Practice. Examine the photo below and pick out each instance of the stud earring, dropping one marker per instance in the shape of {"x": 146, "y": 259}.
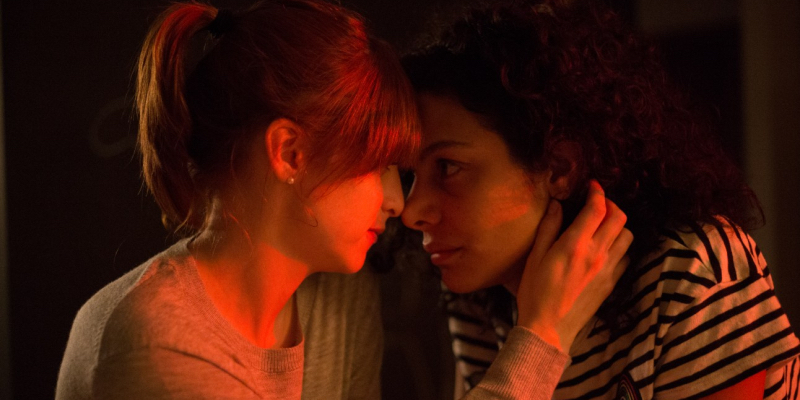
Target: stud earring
{"x": 290, "y": 180}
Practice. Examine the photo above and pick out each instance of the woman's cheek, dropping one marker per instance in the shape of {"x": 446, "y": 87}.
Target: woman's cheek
{"x": 457, "y": 186}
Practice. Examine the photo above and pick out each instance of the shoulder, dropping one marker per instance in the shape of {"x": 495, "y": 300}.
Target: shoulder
{"x": 97, "y": 325}
{"x": 717, "y": 311}
{"x": 707, "y": 255}
{"x": 94, "y": 314}
{"x": 83, "y": 347}
{"x": 140, "y": 308}
{"x": 153, "y": 313}
{"x": 98, "y": 313}
{"x": 696, "y": 262}
{"x": 727, "y": 252}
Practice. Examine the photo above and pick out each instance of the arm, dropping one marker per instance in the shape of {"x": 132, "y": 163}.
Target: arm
{"x": 527, "y": 367}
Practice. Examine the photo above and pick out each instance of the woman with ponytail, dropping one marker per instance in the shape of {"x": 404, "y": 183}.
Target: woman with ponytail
{"x": 270, "y": 139}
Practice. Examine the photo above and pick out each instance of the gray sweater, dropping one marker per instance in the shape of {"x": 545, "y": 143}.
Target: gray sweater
{"x": 155, "y": 334}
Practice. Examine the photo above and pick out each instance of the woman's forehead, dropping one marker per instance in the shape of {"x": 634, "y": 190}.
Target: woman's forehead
{"x": 446, "y": 124}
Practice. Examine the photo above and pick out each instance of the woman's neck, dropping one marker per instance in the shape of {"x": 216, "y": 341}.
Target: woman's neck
{"x": 251, "y": 284}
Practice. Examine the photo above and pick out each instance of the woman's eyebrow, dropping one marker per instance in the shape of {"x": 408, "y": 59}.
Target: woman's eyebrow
{"x": 442, "y": 144}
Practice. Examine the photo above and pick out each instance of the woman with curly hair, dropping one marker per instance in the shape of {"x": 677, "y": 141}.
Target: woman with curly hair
{"x": 531, "y": 102}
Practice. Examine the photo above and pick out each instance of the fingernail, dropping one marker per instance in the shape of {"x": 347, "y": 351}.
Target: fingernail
{"x": 595, "y": 186}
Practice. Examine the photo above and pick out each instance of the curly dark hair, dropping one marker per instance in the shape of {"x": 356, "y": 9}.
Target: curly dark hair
{"x": 547, "y": 73}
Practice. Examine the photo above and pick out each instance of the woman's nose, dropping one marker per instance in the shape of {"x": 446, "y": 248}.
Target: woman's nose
{"x": 392, "y": 192}
{"x": 420, "y": 210}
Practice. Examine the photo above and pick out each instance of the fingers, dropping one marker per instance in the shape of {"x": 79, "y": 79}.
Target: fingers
{"x": 620, "y": 245}
{"x": 615, "y": 274}
{"x": 592, "y": 213}
{"x": 600, "y": 219}
{"x": 619, "y": 269}
{"x": 616, "y": 261}
{"x": 547, "y": 232}
{"x": 612, "y": 225}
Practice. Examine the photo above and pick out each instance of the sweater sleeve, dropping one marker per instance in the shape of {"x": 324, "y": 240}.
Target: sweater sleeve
{"x": 526, "y": 367}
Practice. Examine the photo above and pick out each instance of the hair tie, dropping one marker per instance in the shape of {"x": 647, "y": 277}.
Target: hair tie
{"x": 221, "y": 24}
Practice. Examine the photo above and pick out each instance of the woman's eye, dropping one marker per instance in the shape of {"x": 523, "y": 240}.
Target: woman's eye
{"x": 447, "y": 168}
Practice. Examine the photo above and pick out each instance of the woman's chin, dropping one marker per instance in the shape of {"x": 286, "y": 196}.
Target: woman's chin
{"x": 352, "y": 266}
{"x": 457, "y": 281}
{"x": 348, "y": 264}
{"x": 457, "y": 284}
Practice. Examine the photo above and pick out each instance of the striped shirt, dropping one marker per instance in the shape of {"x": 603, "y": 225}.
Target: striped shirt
{"x": 706, "y": 318}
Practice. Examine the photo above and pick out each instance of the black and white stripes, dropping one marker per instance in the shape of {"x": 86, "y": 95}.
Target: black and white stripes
{"x": 706, "y": 318}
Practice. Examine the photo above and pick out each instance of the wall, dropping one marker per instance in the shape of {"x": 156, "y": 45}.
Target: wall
{"x": 5, "y": 360}
{"x": 771, "y": 95}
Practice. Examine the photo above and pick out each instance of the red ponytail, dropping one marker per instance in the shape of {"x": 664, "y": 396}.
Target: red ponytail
{"x": 164, "y": 118}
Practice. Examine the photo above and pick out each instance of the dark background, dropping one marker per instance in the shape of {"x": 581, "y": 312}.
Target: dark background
{"x": 78, "y": 217}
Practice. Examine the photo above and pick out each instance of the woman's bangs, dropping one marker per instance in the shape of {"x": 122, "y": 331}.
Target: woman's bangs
{"x": 395, "y": 131}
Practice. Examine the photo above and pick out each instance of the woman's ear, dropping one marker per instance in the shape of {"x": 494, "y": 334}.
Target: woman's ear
{"x": 284, "y": 141}
{"x": 559, "y": 186}
{"x": 563, "y": 169}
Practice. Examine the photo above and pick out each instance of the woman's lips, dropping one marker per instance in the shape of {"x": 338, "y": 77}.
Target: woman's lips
{"x": 441, "y": 256}
{"x": 374, "y": 233}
